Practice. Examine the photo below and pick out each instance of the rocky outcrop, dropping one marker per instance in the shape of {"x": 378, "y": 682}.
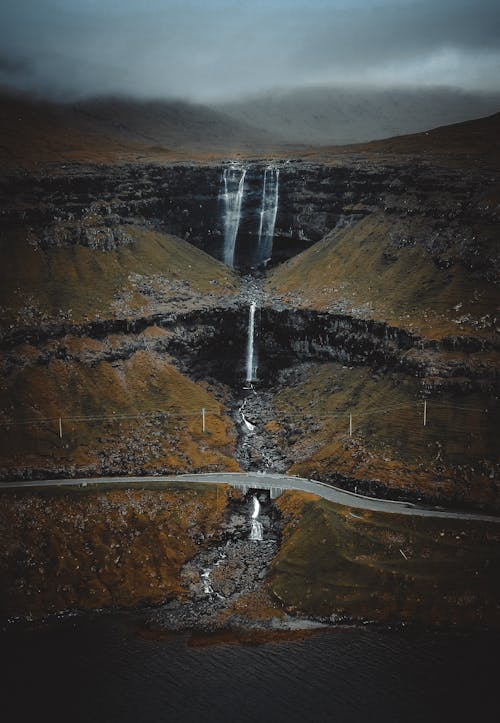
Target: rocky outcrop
{"x": 211, "y": 343}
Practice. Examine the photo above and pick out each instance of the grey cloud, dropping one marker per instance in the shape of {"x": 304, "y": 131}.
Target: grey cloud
{"x": 15, "y": 66}
{"x": 226, "y": 48}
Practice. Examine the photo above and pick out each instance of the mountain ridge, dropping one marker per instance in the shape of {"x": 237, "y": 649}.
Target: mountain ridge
{"x": 116, "y": 130}
{"x": 340, "y": 116}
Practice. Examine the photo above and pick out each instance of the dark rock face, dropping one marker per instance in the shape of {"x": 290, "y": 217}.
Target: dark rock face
{"x": 85, "y": 205}
{"x": 302, "y": 334}
{"x": 212, "y": 343}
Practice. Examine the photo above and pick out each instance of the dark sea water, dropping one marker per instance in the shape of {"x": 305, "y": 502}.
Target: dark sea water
{"x": 100, "y": 670}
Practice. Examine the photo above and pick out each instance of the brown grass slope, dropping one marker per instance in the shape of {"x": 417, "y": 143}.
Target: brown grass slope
{"x": 368, "y": 270}
{"x": 109, "y": 130}
{"x": 135, "y": 416}
{"x": 454, "y": 458}
{"x": 479, "y": 137}
{"x": 95, "y": 548}
{"x": 474, "y": 142}
{"x": 347, "y": 564}
{"x": 74, "y": 281}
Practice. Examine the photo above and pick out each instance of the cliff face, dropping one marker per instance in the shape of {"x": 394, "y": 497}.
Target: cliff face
{"x": 88, "y": 205}
{"x": 412, "y": 244}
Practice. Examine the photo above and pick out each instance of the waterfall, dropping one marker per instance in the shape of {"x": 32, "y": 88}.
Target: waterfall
{"x": 256, "y": 528}
{"x": 251, "y": 367}
{"x": 268, "y": 213}
{"x": 205, "y": 578}
{"x": 233, "y": 180}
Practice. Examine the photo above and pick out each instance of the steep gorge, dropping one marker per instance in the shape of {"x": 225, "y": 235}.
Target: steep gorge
{"x": 385, "y": 268}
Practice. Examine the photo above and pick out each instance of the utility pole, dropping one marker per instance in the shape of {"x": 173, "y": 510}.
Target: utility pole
{"x": 350, "y": 425}
{"x": 60, "y": 427}
{"x": 203, "y": 421}
{"x": 425, "y": 412}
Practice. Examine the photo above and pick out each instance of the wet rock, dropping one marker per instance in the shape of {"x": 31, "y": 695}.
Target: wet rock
{"x": 219, "y": 575}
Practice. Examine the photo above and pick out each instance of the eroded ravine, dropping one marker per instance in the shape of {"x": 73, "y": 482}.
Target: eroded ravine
{"x": 235, "y": 566}
{"x": 166, "y": 339}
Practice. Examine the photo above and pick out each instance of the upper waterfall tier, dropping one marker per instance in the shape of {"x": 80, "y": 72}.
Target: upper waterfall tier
{"x": 93, "y": 207}
{"x": 248, "y": 213}
{"x": 268, "y": 213}
{"x": 233, "y": 185}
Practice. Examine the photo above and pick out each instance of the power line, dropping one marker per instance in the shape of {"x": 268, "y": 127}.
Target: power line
{"x": 297, "y": 414}
{"x": 37, "y": 420}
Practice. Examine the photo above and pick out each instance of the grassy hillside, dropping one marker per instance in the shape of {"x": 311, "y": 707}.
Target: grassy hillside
{"x": 477, "y": 138}
{"x": 380, "y": 268}
{"x": 134, "y": 416}
{"x": 116, "y": 130}
{"x": 341, "y": 563}
{"x": 95, "y": 548}
{"x": 78, "y": 282}
{"x": 454, "y": 457}
{"x": 35, "y": 132}
{"x": 339, "y": 115}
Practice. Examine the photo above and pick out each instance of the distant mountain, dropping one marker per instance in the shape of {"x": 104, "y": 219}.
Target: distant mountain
{"x": 110, "y": 129}
{"x": 174, "y": 124}
{"x": 476, "y": 139}
{"x": 336, "y": 116}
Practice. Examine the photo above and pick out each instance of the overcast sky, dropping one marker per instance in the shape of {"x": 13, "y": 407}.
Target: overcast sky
{"x": 221, "y": 49}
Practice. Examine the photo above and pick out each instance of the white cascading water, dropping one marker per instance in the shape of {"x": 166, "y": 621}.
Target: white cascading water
{"x": 251, "y": 367}
{"x": 233, "y": 180}
{"x": 268, "y": 213}
{"x": 256, "y": 528}
{"x": 248, "y": 425}
{"x": 205, "y": 578}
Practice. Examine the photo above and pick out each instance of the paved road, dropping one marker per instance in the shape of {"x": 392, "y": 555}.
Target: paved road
{"x": 274, "y": 482}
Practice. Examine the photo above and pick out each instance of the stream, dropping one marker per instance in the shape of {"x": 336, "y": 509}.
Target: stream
{"x": 224, "y": 572}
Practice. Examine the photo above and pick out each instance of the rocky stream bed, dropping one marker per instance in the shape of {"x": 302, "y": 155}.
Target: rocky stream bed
{"x": 225, "y": 572}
